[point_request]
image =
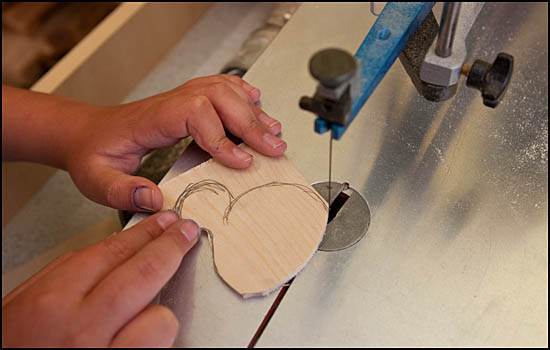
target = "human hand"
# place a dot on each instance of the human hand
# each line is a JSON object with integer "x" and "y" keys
{"x": 100, "y": 296}
{"x": 111, "y": 144}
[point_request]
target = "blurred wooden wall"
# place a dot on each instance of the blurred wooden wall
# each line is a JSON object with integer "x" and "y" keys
{"x": 35, "y": 35}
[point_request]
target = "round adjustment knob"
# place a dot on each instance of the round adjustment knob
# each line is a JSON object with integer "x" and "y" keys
{"x": 332, "y": 67}
{"x": 491, "y": 79}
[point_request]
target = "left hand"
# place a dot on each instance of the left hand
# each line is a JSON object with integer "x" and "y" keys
{"x": 111, "y": 144}
{"x": 100, "y": 296}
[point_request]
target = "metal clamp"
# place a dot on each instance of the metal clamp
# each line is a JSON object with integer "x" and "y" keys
{"x": 444, "y": 59}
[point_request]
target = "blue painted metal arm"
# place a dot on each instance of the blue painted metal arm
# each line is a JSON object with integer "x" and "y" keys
{"x": 388, "y": 36}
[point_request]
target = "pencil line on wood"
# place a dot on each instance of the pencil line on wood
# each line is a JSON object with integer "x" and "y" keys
{"x": 215, "y": 187}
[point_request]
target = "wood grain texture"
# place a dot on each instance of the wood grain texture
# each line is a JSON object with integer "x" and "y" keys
{"x": 270, "y": 233}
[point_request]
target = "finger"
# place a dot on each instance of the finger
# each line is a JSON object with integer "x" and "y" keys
{"x": 101, "y": 258}
{"x": 181, "y": 116}
{"x": 154, "y": 327}
{"x": 238, "y": 85}
{"x": 240, "y": 120}
{"x": 48, "y": 268}
{"x": 130, "y": 287}
{"x": 207, "y": 130}
{"x": 112, "y": 187}
{"x": 253, "y": 92}
{"x": 271, "y": 124}
{"x": 246, "y": 91}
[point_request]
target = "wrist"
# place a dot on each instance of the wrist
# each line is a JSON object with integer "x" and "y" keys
{"x": 42, "y": 128}
{"x": 82, "y": 136}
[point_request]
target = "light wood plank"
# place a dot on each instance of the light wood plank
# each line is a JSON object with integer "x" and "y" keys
{"x": 270, "y": 232}
{"x": 112, "y": 59}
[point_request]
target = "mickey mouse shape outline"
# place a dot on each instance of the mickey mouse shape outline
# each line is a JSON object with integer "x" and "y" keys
{"x": 215, "y": 186}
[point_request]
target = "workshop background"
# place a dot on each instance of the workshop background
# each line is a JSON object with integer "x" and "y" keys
{"x": 35, "y": 35}
{"x": 457, "y": 251}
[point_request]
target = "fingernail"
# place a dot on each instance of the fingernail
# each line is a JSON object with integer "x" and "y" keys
{"x": 247, "y": 86}
{"x": 144, "y": 198}
{"x": 190, "y": 229}
{"x": 242, "y": 155}
{"x": 255, "y": 94}
{"x": 252, "y": 91}
{"x": 167, "y": 219}
{"x": 268, "y": 122}
{"x": 191, "y": 221}
{"x": 273, "y": 141}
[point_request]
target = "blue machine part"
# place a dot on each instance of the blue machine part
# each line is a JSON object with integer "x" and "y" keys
{"x": 386, "y": 39}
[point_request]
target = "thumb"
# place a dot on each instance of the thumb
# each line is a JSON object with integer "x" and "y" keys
{"x": 112, "y": 187}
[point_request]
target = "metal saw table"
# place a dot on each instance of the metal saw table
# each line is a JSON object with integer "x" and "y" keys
{"x": 457, "y": 250}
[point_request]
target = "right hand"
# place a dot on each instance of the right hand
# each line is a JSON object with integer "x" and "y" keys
{"x": 100, "y": 296}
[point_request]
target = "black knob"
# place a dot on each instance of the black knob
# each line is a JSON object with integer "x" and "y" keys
{"x": 491, "y": 79}
{"x": 332, "y": 67}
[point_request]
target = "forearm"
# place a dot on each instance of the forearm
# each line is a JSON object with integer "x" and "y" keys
{"x": 41, "y": 128}
{"x": 101, "y": 146}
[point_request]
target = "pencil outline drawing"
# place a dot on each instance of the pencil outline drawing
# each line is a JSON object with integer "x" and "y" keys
{"x": 216, "y": 187}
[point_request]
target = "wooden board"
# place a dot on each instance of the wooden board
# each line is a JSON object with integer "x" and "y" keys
{"x": 126, "y": 45}
{"x": 261, "y": 238}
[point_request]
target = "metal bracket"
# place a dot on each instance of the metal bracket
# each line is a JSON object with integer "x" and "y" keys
{"x": 386, "y": 39}
{"x": 445, "y": 71}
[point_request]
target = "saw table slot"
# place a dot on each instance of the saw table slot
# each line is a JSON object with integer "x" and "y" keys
{"x": 270, "y": 313}
{"x": 348, "y": 221}
{"x": 337, "y": 204}
{"x": 349, "y": 216}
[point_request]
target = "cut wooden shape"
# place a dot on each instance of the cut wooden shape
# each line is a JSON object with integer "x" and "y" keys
{"x": 265, "y": 222}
